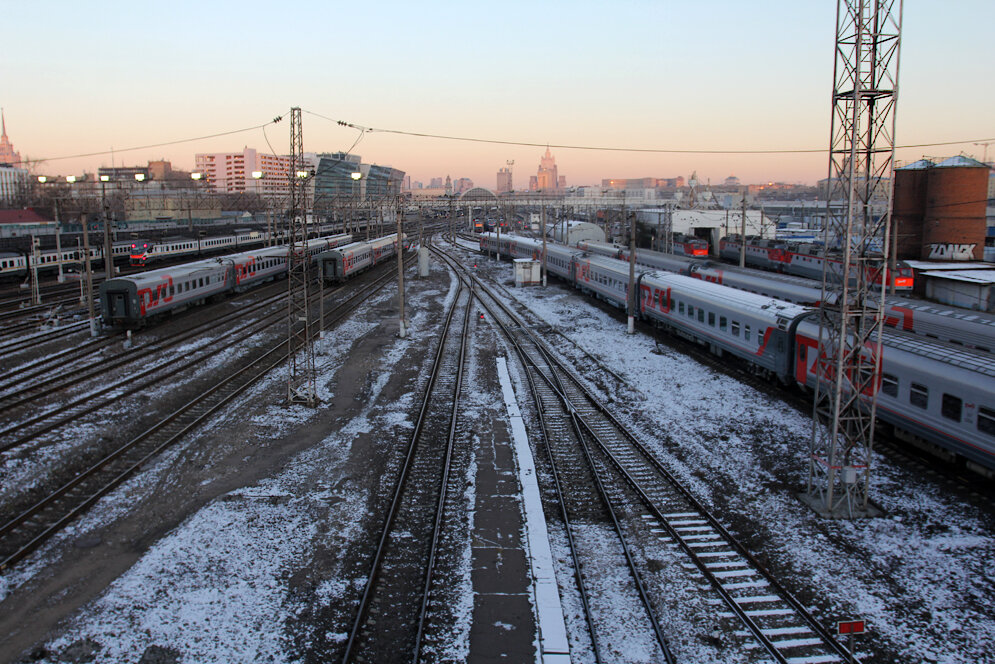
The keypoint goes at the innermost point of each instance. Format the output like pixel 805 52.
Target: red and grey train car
pixel 930 392
pixel 138 300
pixel 808 260
pixel 341 263
pixel 972 329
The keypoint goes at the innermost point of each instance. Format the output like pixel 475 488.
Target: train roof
pixel 948 353
pixel 609 264
pixel 964 315
pixel 177 271
pixel 729 297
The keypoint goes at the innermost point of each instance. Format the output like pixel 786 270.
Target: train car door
pixel 118 301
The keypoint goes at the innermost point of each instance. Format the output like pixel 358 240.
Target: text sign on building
pixel 844 627
pixel 952 252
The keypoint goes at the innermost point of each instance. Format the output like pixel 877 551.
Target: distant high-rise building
pixel 13 184
pixel 7 154
pixel 449 186
pixel 731 181
pixel 435 183
pixel 407 183
pixel 418 185
pixel 232 172
pixel 463 184
pixel 561 182
pixel 547 178
pixel 533 183
pixel 504 183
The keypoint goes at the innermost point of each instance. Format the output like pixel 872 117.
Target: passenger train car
pixel 140 252
pixel 16 265
pixel 137 300
pixel 341 263
pixel 972 329
pixel 934 394
pixel 147 252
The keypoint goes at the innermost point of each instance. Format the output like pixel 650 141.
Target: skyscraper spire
pixel 7 153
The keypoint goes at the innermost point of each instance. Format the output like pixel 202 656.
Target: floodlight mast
pixel 851 314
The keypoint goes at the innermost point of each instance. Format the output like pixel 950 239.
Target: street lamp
pixel 257 176
pixel 356 175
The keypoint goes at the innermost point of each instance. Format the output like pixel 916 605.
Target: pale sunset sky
pixel 78 77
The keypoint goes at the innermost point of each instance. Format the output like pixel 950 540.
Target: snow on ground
pixel 215 588
pixel 26 467
pixel 923 575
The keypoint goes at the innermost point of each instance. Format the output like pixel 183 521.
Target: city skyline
pixel 636 75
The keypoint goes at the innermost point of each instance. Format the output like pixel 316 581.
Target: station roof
pixel 948 265
pixel 980 277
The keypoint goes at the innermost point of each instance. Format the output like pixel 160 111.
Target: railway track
pixel 391 615
pixel 768 619
pixel 33 526
pixel 56 372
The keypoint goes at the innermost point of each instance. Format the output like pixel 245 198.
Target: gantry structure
pixel 861 164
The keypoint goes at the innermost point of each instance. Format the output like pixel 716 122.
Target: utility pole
pixel 108 248
pixel 35 259
pixel 89 276
pixel 851 313
pixel 742 234
pixel 301 380
pixel 58 242
pixel 632 270
pixel 452 222
pixel 401 332
pixel 543 213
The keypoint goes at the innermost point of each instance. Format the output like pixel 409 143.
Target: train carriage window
pixel 735 329
pixel 690 311
pixel 701 315
pixel 986 420
pixel 950 407
pixel 889 384
pixel 919 395
pixel 680 308
pixel 746 332
pixel 711 318
pixel 722 323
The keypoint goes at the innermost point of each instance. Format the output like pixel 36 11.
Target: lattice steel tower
pixel 861 161
pixel 301 379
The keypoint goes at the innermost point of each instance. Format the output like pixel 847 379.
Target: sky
pixel 78 78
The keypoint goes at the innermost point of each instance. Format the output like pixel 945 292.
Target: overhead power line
pixel 156 145
pixel 603 148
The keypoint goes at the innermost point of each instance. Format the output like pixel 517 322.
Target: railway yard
pixel 516 479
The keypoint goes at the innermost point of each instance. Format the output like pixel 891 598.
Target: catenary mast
pixel 861 163
pixel 301 379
